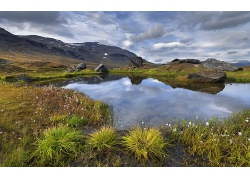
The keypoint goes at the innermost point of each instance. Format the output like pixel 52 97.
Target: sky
pixel 158 36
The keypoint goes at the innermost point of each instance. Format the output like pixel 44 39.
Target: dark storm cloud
pixel 38 17
pixel 245 39
pixel 154 32
pixel 231 52
pixel 212 20
pixel 40 21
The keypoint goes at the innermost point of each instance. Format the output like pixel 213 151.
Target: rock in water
pixel 101 68
pixel 81 66
pixel 211 76
pixel 212 63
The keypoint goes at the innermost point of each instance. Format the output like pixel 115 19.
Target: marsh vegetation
pixel 52 126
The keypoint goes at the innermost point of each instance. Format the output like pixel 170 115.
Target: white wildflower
pixel 142 122
pixel 169 125
pixel 189 123
pixel 247 120
pixel 174 129
pixel 248 139
pixel 240 133
pixel 207 123
pixel 230 141
pixel 1 132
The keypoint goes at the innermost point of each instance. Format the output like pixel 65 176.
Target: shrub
pixel 145 143
pixel 58 145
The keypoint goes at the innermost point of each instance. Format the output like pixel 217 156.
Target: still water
pixel 153 102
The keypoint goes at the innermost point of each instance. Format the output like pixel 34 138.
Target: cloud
pixel 154 32
pixel 38 17
pixel 212 20
pixel 100 17
pixel 158 60
pixel 43 23
pixel 127 43
pixel 226 22
pixel 171 45
pixel 231 52
pixel 185 40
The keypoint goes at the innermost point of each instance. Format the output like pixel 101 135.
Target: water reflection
pixel 156 103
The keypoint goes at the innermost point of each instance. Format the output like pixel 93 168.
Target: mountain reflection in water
pixel 138 99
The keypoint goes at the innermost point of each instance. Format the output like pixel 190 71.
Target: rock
pixel 101 68
pixel 81 66
pixel 192 61
pixel 25 78
pixel 210 76
pixel 212 63
pixel 136 62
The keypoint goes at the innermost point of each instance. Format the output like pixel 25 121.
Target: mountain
pixel 240 63
pixel 32 47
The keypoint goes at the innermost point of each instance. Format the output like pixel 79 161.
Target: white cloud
pixel 127 43
pixel 167 45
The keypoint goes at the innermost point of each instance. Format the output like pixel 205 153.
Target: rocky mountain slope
pixel 34 47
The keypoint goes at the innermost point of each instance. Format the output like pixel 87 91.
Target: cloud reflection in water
pixel 156 103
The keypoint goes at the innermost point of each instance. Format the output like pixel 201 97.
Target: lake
pixel 137 100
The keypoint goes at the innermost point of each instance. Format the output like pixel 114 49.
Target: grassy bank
pixel 180 73
pixel 50 126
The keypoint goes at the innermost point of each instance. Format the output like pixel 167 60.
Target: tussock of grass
pixel 57 145
pixel 145 143
pixel 103 139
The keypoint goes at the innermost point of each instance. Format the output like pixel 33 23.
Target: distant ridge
pixel 34 47
pixel 240 63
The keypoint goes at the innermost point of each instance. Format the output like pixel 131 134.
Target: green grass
pixel 57 146
pixel 145 143
pixel 216 143
pixel 29 115
pixel 103 139
pixel 75 121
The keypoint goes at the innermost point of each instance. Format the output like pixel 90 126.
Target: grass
pixel 145 144
pixel 239 76
pixel 103 139
pixel 57 146
pixel 215 143
pixel 33 120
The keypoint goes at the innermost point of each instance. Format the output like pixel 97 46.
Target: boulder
pixel 212 63
pixel 81 66
pixel 192 61
pixel 210 76
pixel 101 68
pixel 136 62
